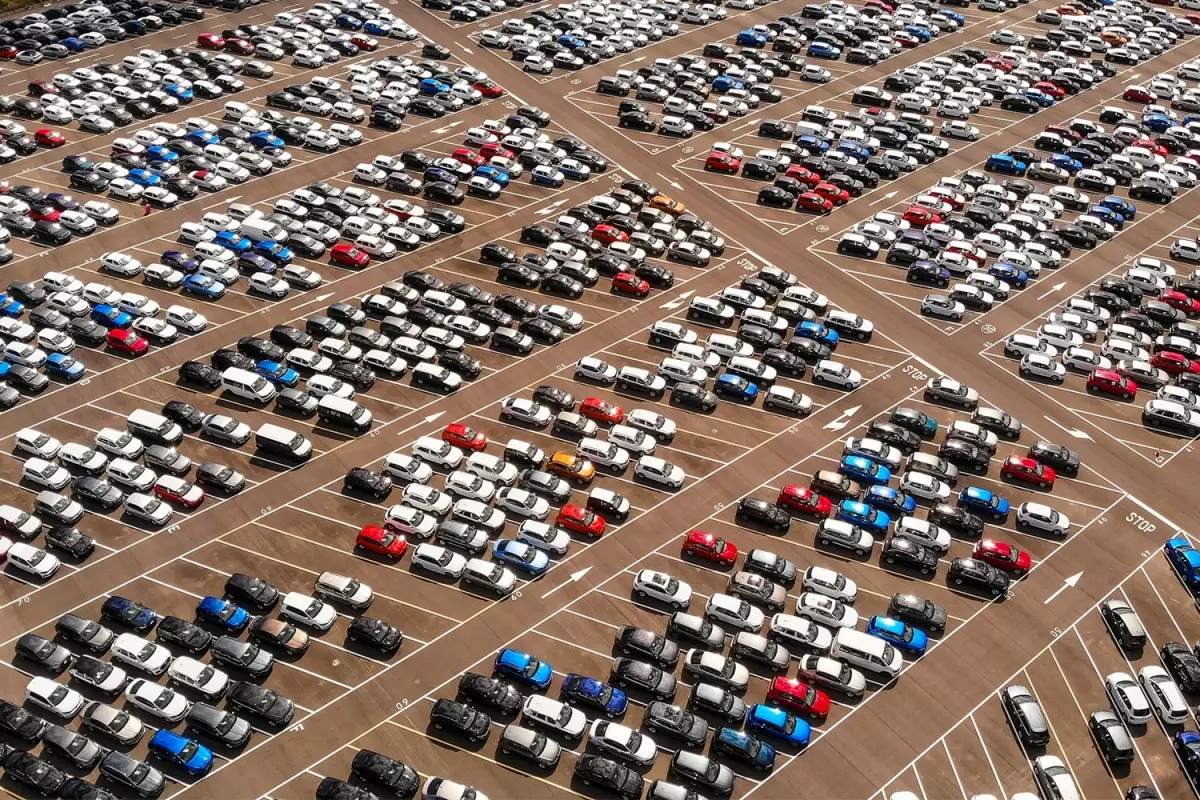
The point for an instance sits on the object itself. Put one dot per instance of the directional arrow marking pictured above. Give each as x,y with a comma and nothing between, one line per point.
843,420
675,184
1075,432
1067,582
575,576
887,196
676,303
1058,287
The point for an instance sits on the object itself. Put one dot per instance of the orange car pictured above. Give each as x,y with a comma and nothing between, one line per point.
571,467
1114,38
1070,11
664,203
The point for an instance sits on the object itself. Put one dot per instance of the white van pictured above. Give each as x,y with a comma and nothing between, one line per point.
866,652
281,441
149,425
247,385
262,230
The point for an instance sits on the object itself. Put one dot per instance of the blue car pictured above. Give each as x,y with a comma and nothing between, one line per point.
778,723
432,86
1185,559
725,83
1157,122
1006,164
555,180
202,138
891,500
744,747
377,28
181,751
814,144
233,241
1038,96
4,368
262,140
736,386
128,613
899,634
1009,274
864,470
574,172
1120,205
74,44
203,286
1088,158
952,14
65,367
180,93
571,42
863,515
983,501
348,22
922,33
855,150
159,153
110,317
63,202
253,262
439,175
808,329
749,38
1064,161
1106,214
278,374
523,668
520,555
183,262
824,50
274,251
595,694
10,306
493,173
222,613
144,177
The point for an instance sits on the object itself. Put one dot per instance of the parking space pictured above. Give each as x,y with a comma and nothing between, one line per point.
1067,678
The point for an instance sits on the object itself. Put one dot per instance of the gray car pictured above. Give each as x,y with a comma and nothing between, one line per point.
702,770
530,745
249,658
137,775
74,747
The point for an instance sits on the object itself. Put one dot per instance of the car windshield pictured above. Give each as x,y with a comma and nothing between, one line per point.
313,609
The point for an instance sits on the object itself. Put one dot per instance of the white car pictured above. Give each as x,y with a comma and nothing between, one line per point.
427,499
157,700
198,676
874,450
437,452
307,610
526,411
36,443
544,537
439,561
1175,394
710,667
130,474
195,232
308,360
785,398
1037,365
662,587
148,508
924,486
83,458
1043,518
476,513
659,471
1127,698
523,503
733,612
622,742
186,319
660,427
550,714
1084,359
825,610
46,474
54,697
837,374
942,306
595,369
33,561
143,654
793,630
1164,695
828,582
923,532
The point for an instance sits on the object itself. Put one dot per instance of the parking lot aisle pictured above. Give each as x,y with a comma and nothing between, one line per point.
971,762
1006,757
939,774
1042,677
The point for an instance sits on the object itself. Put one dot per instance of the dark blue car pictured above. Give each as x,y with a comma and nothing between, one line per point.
275,252
110,317
183,262
203,286
129,613
1009,274
744,747
439,175
594,694
1120,205
222,613
891,500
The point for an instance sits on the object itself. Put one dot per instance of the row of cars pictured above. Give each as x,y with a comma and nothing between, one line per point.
48,218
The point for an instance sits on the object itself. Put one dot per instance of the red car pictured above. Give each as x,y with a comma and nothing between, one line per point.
628,283
365,43
1021,468
832,193
999,63
494,149
348,255
608,234
1052,89
8,52
1173,363
489,88
803,499
380,541
468,157
710,548
1003,555
722,162
580,520
45,214
239,46
210,41
186,494
1151,145
921,216
1177,299
811,201
1107,381
1136,94
464,436
601,410
798,696
126,341
803,174
1064,131
48,137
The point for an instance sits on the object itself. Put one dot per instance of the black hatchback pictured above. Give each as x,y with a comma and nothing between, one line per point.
753,509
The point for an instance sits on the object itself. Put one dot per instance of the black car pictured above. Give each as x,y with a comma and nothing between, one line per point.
808,349
185,634
27,292
977,575
520,275
358,376
491,692
361,479
184,413
964,454
94,490
631,640
289,337
628,672
689,395
88,182
247,590
785,363
27,379
461,718
555,397
267,704
1183,664
21,724
52,657
222,726
80,630
34,772
752,509
537,234
380,770
917,610
466,366
608,774
1151,192
895,435
905,552
375,633
220,477
1061,459
70,541
956,519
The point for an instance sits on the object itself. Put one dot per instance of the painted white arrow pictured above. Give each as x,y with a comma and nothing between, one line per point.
318,299
1075,432
548,209
1067,582
676,303
1058,287
428,419
843,420
575,576
446,129
673,183
465,48
887,196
